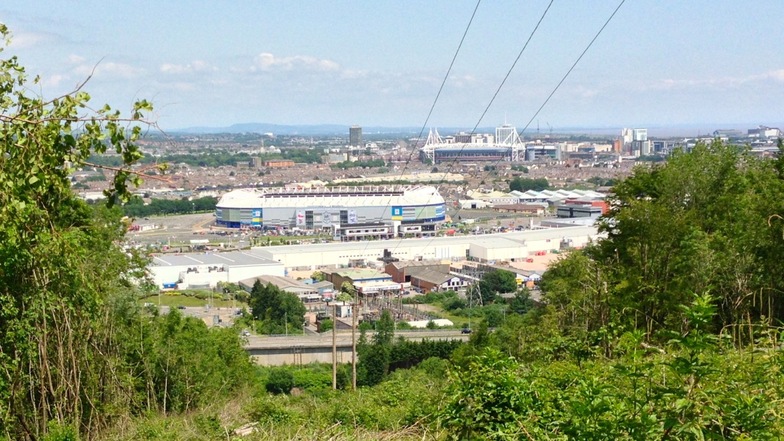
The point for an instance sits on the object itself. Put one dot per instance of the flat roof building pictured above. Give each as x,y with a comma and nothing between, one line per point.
205,270
501,246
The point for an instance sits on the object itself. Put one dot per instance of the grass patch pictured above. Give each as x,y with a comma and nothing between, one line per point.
175,300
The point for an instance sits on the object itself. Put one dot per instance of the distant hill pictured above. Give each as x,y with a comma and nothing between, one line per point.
688,130
308,130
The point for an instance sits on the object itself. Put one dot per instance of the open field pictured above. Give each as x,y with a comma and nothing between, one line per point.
174,301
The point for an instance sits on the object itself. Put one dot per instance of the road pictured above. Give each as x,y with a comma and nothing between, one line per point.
343,339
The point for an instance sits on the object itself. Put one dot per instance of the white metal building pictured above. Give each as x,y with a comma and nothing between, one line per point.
489,247
205,270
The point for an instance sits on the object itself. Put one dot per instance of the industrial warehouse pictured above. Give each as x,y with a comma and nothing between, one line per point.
349,213
198,270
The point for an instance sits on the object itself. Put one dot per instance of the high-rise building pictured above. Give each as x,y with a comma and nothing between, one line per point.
355,136
626,136
640,135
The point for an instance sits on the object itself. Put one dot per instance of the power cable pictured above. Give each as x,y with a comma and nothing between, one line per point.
433,106
573,66
490,103
596,36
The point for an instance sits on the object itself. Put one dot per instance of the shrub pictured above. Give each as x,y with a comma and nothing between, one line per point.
280,381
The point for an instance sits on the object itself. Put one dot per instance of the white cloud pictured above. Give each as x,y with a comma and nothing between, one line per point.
194,66
777,75
353,74
28,39
108,69
53,81
266,61
462,81
184,87
718,82
76,59
585,92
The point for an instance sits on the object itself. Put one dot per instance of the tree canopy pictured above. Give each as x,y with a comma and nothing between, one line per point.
525,184
707,221
497,281
277,310
76,351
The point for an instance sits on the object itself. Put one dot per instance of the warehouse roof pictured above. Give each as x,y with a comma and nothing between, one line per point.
431,276
357,274
231,258
284,283
394,244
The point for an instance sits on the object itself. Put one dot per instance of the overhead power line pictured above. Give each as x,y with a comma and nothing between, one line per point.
582,54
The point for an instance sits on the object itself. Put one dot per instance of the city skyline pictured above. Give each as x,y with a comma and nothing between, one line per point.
657,64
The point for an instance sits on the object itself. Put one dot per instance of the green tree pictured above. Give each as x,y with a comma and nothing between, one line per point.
59,262
496,282
521,303
278,310
525,184
699,223
348,288
385,329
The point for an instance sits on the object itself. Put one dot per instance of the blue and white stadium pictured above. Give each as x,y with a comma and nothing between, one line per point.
348,212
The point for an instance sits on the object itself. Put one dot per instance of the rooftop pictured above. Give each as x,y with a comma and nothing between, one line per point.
285,283
230,259
357,274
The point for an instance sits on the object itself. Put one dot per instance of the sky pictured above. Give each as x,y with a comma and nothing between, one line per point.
658,63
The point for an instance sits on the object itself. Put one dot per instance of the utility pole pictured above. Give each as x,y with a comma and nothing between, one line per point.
334,348
354,346
469,306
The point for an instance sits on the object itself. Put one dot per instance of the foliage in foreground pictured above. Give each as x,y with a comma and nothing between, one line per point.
397,409
76,353
696,387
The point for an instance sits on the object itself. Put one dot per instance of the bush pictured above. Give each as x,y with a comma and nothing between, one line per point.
280,381
454,303
434,367
325,325
267,410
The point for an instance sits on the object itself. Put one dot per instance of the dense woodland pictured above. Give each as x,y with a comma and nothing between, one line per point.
669,328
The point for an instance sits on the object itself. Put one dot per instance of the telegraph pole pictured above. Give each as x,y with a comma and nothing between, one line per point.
354,346
334,347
